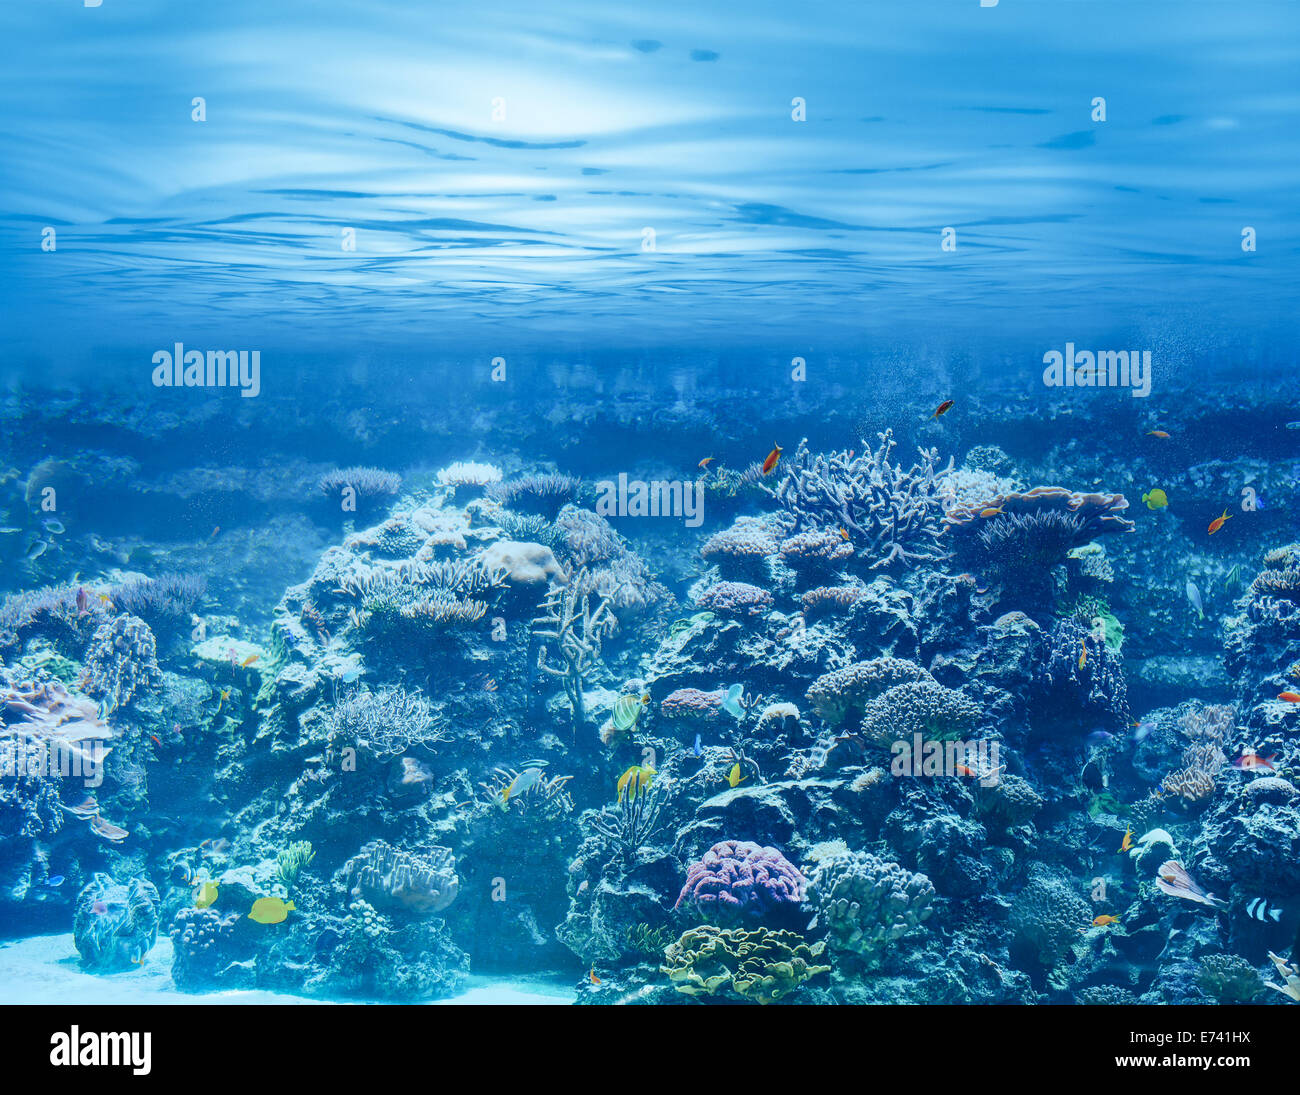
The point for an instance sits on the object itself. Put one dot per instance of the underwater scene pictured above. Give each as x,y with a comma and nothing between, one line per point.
650,504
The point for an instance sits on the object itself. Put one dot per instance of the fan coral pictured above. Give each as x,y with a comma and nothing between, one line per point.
122,661
760,965
403,882
741,878
735,599
891,512
844,693
865,903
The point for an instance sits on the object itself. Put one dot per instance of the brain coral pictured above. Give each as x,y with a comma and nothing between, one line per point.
740,878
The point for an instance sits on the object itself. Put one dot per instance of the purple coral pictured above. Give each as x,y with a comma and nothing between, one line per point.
688,703
735,599
741,878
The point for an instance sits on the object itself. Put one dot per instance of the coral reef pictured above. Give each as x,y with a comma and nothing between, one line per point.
758,964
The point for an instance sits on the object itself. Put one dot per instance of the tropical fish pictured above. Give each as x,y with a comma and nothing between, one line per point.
1142,729
843,535
705,462
1173,879
114,834
627,709
1218,522
991,511
54,525
156,740
592,974
1157,433
635,780
214,533
772,458
1260,909
964,770
734,778
1293,425
249,661
138,959
1155,498
697,749
1083,653
83,601
524,782
1099,737
270,910
205,894
217,846
731,701
104,598
1250,761
1105,921
942,408
225,695
1127,842
54,881
1289,697
1194,595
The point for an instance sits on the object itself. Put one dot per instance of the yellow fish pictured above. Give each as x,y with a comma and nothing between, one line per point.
734,778
1127,842
225,695
1083,653
249,661
1156,499
270,910
635,780
205,894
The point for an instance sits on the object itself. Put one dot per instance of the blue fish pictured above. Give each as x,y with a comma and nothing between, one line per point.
1099,737
697,750
54,881
1293,425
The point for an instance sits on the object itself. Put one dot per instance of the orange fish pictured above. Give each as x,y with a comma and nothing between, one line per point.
594,979
1127,842
1156,433
1217,523
1083,653
156,740
249,661
963,770
706,462
1251,762
843,535
943,408
990,512
1105,921
772,458
1290,697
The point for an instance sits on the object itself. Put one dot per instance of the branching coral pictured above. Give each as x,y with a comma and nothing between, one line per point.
122,661
164,603
889,511
386,723
545,493
758,964
865,903
368,484
391,880
290,861
572,631
466,473
632,823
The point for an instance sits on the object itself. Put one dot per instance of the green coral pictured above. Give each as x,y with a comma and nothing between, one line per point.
291,860
758,964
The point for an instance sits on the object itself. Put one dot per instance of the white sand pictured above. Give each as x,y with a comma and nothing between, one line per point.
45,970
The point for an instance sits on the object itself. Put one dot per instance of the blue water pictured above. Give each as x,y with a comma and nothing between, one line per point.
659,241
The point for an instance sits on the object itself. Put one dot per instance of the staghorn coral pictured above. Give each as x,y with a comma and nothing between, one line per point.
891,512
843,694
122,661
738,878
405,883
864,903
757,964
630,824
570,629
384,724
